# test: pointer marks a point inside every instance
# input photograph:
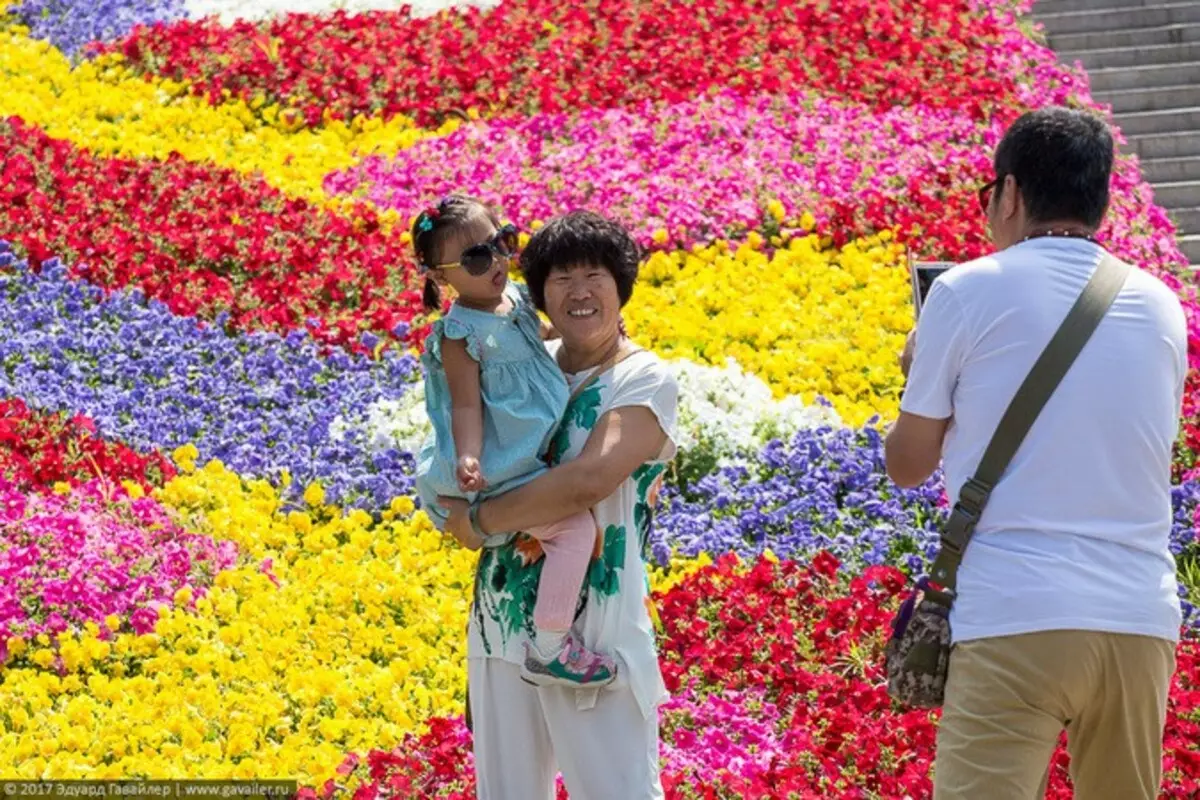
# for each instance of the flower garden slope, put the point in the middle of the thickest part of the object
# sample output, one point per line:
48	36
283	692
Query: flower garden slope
104	108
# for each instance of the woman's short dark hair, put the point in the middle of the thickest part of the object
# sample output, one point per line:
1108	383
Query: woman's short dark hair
580	237
1062	162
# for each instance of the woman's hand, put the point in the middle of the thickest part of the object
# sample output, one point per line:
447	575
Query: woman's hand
458	522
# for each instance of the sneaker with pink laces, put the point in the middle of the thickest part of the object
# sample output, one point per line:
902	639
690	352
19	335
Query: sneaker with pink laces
573	666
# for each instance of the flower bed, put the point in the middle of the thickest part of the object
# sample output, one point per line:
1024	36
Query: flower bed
543	55
720	166
39	451
146	377
334	632
98	105
205	241
96	557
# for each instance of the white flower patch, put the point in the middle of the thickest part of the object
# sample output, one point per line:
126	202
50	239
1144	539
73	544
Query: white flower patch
229	11
386	424
735	411
725	409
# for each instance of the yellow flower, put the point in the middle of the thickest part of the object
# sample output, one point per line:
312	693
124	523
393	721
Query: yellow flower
776	210
660	236
808	319
62	487
314	495
134	490
808	222
402	506
185	457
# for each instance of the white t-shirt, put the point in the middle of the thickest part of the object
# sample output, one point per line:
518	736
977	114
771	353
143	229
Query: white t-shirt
1075	535
614	617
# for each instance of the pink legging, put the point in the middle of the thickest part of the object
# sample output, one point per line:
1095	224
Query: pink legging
568	545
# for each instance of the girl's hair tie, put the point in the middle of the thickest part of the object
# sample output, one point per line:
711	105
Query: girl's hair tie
425	224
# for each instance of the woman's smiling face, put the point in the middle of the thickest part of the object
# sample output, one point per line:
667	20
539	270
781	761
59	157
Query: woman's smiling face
583	303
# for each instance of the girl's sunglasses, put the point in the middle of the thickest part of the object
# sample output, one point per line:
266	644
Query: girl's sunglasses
477	259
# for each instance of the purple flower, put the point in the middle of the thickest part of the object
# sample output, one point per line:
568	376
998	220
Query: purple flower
257	402
70	25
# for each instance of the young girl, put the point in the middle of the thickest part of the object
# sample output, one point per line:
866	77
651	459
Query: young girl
495	396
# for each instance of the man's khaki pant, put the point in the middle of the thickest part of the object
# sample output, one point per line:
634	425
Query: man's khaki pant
1009	698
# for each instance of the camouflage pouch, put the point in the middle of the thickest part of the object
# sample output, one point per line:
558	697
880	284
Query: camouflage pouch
918	653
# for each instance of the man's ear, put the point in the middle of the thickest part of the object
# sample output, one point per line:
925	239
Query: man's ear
1011	202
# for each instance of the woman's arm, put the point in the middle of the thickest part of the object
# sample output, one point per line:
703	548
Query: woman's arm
466	412
623	440
548	331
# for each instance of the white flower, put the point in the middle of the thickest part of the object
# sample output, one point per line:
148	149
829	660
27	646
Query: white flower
737	412
386	424
230	11
726	409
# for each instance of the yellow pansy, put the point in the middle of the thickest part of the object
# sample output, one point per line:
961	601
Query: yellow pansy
808	319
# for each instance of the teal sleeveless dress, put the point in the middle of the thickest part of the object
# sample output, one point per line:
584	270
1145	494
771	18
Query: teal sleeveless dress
524	397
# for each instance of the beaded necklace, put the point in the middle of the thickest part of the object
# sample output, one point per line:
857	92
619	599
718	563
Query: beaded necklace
1062	234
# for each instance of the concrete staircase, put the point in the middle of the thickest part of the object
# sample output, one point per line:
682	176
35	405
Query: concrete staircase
1143	58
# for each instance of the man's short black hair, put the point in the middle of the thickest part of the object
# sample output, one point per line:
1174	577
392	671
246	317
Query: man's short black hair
580	237
1062	162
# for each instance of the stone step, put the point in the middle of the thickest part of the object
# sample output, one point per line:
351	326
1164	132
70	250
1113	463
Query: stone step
1153	99
1169	121
1136	37
1133	56
1092	20
1043	7
1190	245
1164	145
1112	80
1187	220
1178	194
1169	170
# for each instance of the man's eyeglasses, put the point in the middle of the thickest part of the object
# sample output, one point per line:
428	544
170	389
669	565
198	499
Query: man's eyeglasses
986	191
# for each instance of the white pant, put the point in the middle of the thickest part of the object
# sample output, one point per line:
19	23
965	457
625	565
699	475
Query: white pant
525	734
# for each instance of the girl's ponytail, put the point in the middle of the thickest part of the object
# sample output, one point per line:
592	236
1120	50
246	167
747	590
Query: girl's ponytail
432	296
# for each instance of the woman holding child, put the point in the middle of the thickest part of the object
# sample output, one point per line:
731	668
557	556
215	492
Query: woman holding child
563	669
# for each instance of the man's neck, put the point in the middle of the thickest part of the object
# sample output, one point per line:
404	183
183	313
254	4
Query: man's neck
1057	228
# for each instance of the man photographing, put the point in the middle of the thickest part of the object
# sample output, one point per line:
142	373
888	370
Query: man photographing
1065	610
